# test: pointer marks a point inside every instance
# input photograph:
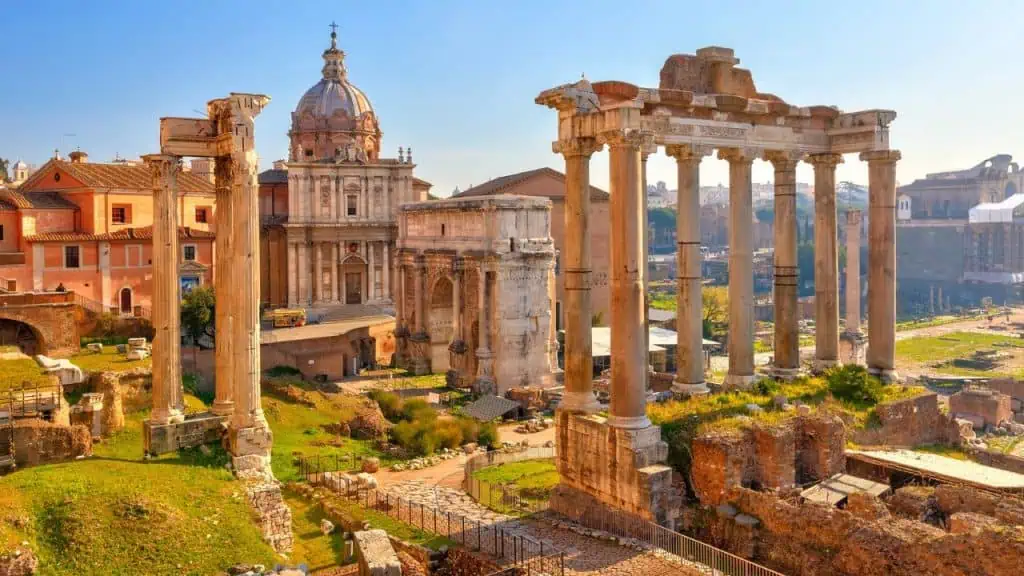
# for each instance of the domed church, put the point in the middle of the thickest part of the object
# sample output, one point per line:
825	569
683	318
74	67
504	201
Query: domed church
330	210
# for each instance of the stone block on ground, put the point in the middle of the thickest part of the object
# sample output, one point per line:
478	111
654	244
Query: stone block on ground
195	430
375	554
969	522
371	464
40	442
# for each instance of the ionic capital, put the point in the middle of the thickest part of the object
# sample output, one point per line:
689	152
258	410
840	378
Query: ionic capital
740	155
881	156
826	160
784	160
576	147
628	138
688	153
162	166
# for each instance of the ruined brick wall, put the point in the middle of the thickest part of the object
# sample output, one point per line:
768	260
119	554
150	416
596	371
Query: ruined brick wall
998	460
719	462
821	447
981	406
954	499
274	516
1012	388
54	325
775	463
907	423
39	442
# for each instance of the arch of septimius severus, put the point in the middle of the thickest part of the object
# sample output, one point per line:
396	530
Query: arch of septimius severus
704	103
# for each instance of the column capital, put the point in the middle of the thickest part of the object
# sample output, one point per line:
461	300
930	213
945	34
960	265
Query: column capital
684	153
576	147
784	160
853	217
162	165
740	155
627	138
824	160
881	156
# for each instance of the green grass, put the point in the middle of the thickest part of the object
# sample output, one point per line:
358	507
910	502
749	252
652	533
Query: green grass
662	301
18	371
525	475
380	520
1004	444
107	361
309	545
943	450
399	379
934	321
941	352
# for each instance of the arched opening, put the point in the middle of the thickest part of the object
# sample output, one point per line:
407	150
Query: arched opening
19	335
353	273
125	300
441	328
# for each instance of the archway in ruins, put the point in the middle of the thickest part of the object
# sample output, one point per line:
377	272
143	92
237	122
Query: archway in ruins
441	327
15	334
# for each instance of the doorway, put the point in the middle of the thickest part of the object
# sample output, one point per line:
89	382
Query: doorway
126	300
353	288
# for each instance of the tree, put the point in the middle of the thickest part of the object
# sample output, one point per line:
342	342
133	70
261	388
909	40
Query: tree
4	164
715	305
197	314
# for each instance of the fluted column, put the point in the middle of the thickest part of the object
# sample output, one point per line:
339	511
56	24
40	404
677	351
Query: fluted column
629	351
787	313
224	361
485	357
579	362
420	272
318	272
853	223
826	261
335	297
646	149
168	398
457	301
689	378
741	274
303	271
881	355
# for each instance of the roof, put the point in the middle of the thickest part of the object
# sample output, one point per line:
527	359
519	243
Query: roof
944	469
995	211
140	233
505	185
273	176
658	339
421	182
6	206
43	200
488	408
835	489
126	176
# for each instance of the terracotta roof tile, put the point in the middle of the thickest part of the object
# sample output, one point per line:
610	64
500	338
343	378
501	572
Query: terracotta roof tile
141	233
421	182
507	184
42	200
126	176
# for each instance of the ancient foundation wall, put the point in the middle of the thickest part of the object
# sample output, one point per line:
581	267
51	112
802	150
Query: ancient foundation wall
601	465
273	515
39	442
981	406
1012	388
908	423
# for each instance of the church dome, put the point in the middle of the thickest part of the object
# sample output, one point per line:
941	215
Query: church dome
334	92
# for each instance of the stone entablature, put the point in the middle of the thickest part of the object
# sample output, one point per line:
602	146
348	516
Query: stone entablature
456	254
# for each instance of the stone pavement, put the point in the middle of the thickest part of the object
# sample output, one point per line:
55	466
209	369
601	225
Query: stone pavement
585	555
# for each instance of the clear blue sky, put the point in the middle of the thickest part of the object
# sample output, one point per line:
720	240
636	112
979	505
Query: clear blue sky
456	79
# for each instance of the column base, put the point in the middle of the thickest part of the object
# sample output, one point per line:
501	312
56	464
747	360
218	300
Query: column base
173	416
223	408
852	348
886	375
165	437
684	389
250	451
583	402
739	381
629	422
785	374
821	365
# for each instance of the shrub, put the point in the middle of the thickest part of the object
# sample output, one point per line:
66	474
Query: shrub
488	435
390	404
853	384
417	409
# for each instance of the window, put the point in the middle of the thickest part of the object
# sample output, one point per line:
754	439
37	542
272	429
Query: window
350	205
442	230
1	232
189	251
121	214
201	215
71	257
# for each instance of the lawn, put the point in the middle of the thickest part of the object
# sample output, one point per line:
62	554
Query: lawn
532	480
380	520
15	372
107	361
954	353
309	545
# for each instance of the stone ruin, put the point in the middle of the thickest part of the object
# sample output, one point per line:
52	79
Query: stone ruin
983	407
375	554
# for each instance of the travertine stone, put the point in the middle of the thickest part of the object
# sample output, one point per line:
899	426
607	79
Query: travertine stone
224	394
852	341
741	274
168	397
881	354
579	370
787	314
689	317
628	264
484	355
826	261
376	555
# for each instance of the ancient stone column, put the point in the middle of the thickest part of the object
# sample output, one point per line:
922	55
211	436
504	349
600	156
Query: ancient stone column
335	297
787	312
646	149
826	261
168	398
689	313
385	270
628	350
303	279
853	219
250	438
318	272
579	362
457	301
420	272
741	264
224	394
881	355
293	269
371	283
485	356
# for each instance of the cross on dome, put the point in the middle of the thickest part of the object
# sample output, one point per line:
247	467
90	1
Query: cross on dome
334	35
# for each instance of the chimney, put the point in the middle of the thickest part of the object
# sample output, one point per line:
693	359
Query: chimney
78	157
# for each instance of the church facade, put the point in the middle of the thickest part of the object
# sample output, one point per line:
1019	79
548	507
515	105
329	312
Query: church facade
330	211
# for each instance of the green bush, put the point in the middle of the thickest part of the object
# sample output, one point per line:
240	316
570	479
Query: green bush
390	404
488	435
853	384
417	409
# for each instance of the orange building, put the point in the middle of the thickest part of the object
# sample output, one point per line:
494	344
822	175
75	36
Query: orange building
87	227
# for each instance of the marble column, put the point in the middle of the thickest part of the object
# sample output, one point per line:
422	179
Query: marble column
457	301
853	223
628	350
168	397
646	149
787	312
826	261
689	378
579	362
385	270
249	436
303	277
485	357
371	252
335	297
318	272
224	361
881	354
741	274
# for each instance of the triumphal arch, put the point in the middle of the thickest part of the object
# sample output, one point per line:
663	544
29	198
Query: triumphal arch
227	136
703	103
476	285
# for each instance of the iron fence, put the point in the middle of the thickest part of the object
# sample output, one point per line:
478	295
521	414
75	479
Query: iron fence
505	499
312	467
32	399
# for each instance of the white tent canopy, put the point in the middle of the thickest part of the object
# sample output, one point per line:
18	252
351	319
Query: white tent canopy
992	212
